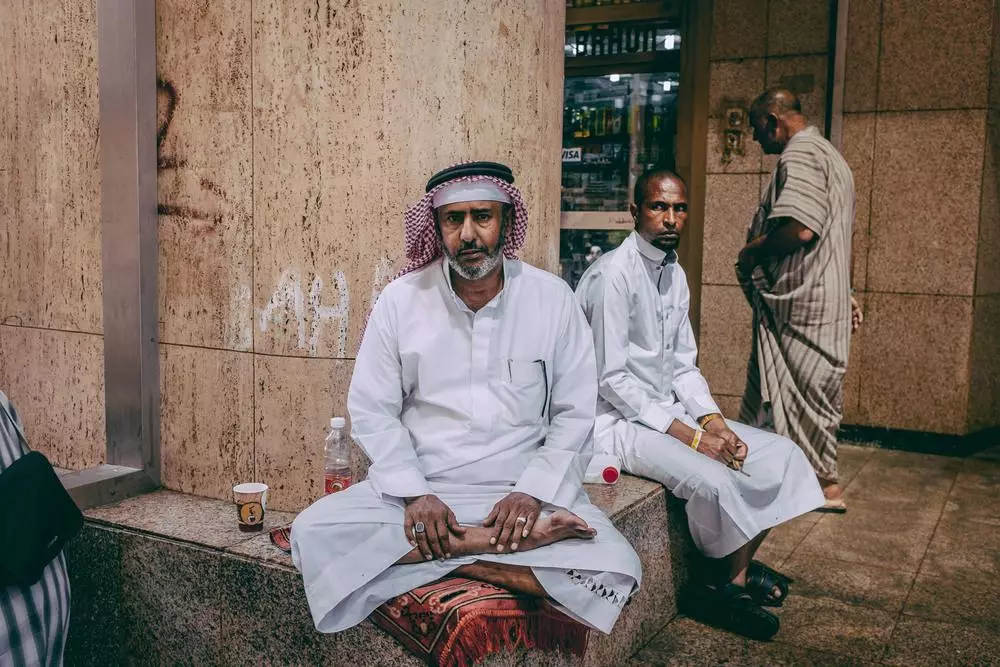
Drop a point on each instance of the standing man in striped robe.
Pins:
(795, 272)
(34, 620)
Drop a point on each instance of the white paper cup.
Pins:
(251, 503)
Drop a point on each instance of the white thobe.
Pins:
(469, 406)
(636, 298)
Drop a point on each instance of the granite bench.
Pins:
(167, 578)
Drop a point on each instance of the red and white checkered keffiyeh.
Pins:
(421, 240)
(420, 234)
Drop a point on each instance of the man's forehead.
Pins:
(666, 187)
(465, 206)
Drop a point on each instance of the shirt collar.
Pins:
(652, 253)
(807, 131)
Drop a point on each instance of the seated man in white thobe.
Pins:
(473, 395)
(655, 411)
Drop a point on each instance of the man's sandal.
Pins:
(738, 612)
(761, 582)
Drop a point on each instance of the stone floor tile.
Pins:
(917, 642)
(782, 541)
(854, 583)
(687, 642)
(843, 629)
(779, 654)
(884, 537)
(903, 477)
(964, 547)
(975, 495)
(991, 454)
(850, 460)
(955, 599)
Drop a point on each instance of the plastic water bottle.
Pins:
(603, 469)
(336, 458)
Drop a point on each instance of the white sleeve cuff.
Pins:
(402, 483)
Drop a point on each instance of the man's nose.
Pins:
(670, 217)
(468, 233)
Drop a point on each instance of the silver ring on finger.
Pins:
(521, 519)
(419, 527)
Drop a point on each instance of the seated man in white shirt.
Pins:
(473, 395)
(655, 411)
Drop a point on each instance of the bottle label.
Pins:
(334, 483)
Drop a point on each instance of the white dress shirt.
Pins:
(445, 399)
(636, 298)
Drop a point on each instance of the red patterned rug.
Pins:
(456, 622)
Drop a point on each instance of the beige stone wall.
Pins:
(916, 136)
(918, 129)
(293, 136)
(51, 342)
(984, 397)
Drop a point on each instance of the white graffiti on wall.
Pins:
(289, 299)
(290, 303)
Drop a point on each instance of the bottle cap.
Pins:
(610, 475)
(338, 422)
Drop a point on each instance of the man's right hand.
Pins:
(720, 448)
(439, 523)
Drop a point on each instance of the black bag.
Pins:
(37, 515)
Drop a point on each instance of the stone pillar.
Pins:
(293, 137)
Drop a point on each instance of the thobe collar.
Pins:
(807, 131)
(652, 253)
(494, 302)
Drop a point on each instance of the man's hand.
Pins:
(512, 518)
(745, 264)
(723, 449)
(438, 523)
(857, 317)
(719, 427)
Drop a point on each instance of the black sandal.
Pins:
(738, 612)
(761, 582)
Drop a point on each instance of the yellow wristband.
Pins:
(707, 419)
(696, 439)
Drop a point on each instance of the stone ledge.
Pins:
(167, 578)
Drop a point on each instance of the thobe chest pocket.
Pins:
(523, 391)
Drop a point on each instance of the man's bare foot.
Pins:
(832, 491)
(558, 526)
(834, 496)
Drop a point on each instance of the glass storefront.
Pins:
(619, 119)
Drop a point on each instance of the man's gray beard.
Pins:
(479, 271)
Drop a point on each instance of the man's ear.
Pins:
(634, 210)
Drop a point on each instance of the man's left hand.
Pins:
(512, 519)
(719, 427)
(857, 315)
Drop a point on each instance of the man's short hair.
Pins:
(639, 193)
(778, 100)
